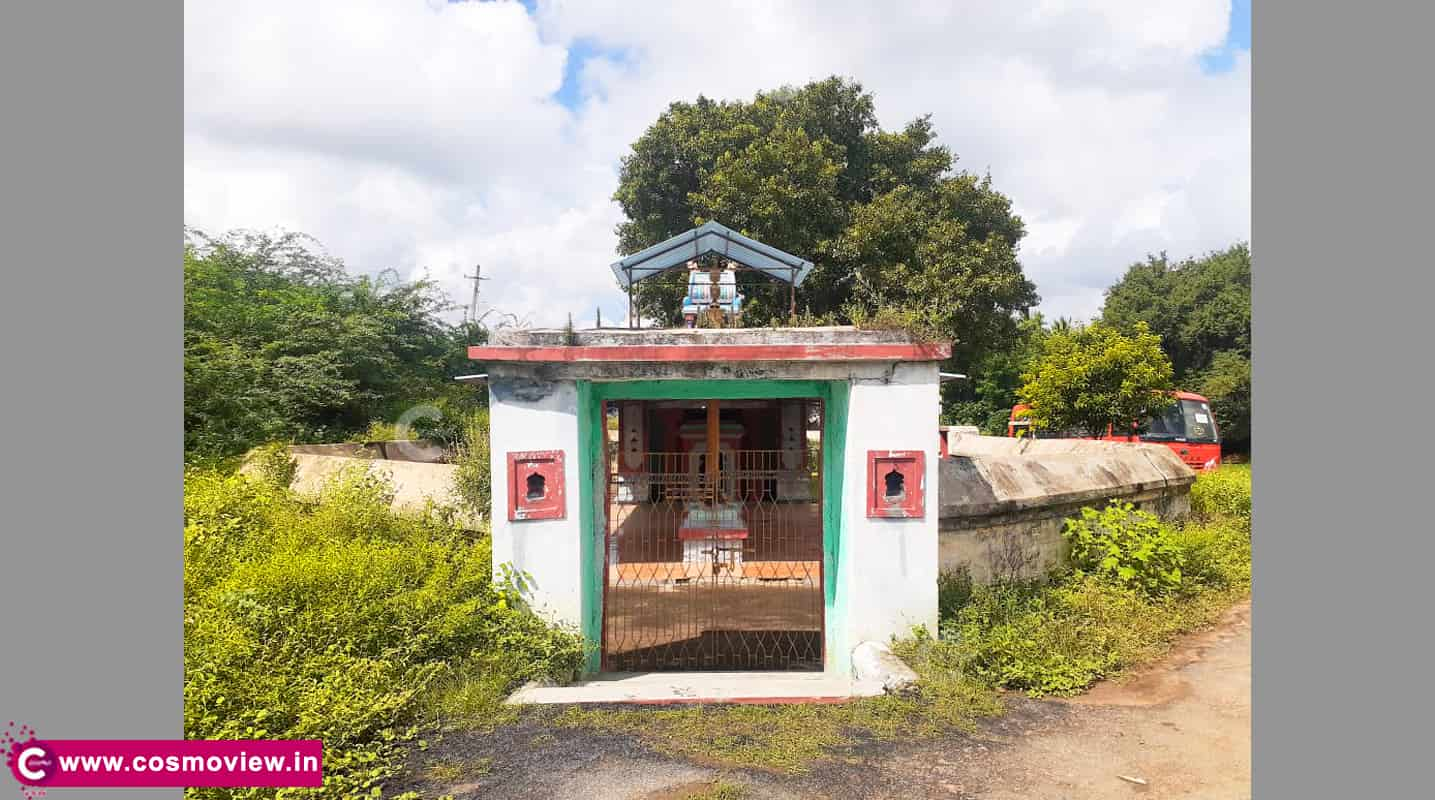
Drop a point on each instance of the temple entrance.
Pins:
(714, 535)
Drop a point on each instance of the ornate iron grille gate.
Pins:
(717, 569)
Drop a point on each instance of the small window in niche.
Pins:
(895, 485)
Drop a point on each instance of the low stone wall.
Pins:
(1002, 501)
(418, 475)
(421, 450)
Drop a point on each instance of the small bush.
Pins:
(473, 478)
(954, 590)
(805, 319)
(1223, 492)
(1129, 548)
(1217, 553)
(915, 323)
(274, 464)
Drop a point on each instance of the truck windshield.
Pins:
(1200, 425)
(1166, 426)
(1185, 419)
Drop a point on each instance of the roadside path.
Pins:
(1182, 725)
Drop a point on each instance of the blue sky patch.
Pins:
(580, 52)
(1238, 38)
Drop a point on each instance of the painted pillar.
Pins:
(888, 567)
(525, 415)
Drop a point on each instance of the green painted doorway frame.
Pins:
(592, 429)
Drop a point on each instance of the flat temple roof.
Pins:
(706, 345)
(874, 351)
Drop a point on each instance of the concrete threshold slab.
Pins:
(669, 688)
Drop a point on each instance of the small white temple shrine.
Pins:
(715, 497)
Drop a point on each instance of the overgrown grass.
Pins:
(1060, 639)
(473, 478)
(789, 738)
(1225, 492)
(379, 431)
(1111, 612)
(274, 464)
(340, 620)
(718, 790)
(1048, 637)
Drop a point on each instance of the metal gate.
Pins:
(716, 563)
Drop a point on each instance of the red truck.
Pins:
(1187, 427)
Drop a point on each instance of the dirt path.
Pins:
(1182, 725)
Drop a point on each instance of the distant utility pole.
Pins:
(471, 313)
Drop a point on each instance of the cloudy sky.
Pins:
(427, 136)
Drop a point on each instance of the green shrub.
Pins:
(473, 478)
(1129, 548)
(1217, 553)
(378, 431)
(914, 322)
(274, 463)
(1223, 492)
(954, 590)
(337, 620)
(1056, 639)
(1017, 636)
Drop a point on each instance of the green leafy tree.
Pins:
(1201, 309)
(1227, 384)
(986, 398)
(280, 342)
(888, 222)
(1095, 376)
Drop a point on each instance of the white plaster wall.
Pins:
(889, 566)
(527, 415)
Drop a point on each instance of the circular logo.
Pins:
(34, 763)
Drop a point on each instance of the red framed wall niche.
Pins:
(535, 485)
(896, 484)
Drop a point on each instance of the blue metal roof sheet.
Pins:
(711, 237)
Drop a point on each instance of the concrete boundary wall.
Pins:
(415, 483)
(421, 450)
(1003, 501)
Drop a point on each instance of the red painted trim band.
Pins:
(935, 351)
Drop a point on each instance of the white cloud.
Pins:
(424, 136)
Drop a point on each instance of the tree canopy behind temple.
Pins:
(889, 223)
(1201, 309)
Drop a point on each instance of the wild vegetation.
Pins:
(282, 343)
(340, 620)
(1061, 635)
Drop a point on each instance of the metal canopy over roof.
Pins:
(711, 237)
